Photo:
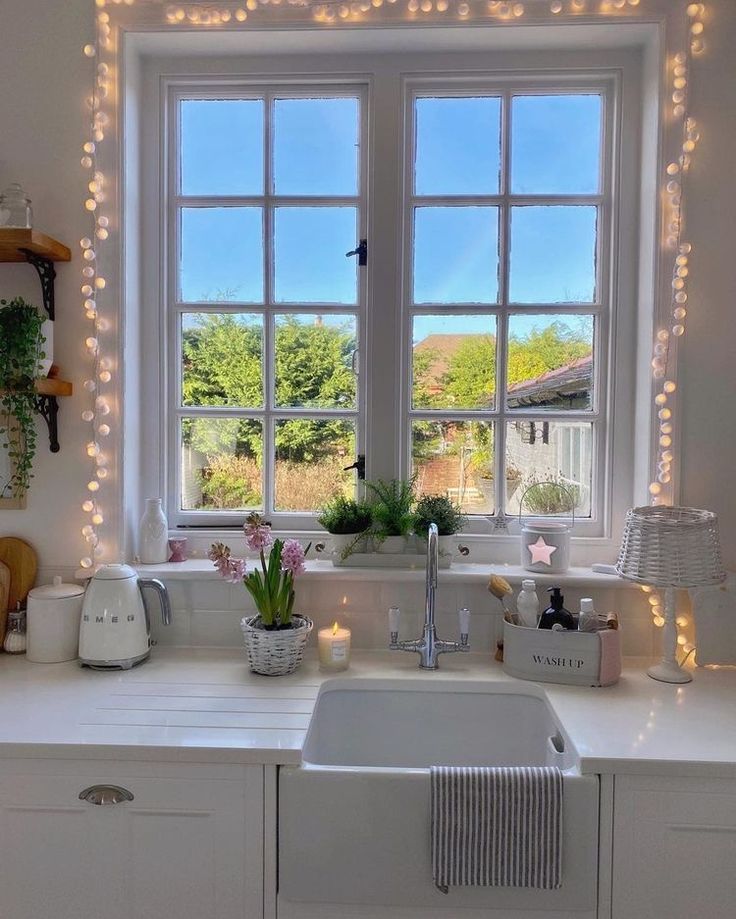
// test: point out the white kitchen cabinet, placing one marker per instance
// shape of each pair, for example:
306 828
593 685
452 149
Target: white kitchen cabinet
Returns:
188 846
674 848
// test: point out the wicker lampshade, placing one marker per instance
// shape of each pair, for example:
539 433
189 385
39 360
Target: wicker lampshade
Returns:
671 547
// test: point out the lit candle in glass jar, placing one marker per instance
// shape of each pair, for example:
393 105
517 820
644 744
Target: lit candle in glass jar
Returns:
334 648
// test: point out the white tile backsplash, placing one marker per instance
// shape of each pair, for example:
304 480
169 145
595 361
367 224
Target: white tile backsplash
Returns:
208 612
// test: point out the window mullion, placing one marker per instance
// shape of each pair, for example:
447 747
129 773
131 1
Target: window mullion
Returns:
268 319
502 325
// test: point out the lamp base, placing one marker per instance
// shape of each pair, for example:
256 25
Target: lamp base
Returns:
668 672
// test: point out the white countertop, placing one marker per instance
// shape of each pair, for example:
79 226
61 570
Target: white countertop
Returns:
202 705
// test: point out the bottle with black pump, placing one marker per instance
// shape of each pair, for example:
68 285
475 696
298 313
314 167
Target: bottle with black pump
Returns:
556 614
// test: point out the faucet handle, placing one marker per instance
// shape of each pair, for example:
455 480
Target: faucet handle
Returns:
394 615
464 617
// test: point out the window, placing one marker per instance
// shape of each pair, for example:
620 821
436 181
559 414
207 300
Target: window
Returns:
505 294
268 197
474 350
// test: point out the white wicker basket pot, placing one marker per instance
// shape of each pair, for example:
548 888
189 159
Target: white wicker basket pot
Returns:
275 652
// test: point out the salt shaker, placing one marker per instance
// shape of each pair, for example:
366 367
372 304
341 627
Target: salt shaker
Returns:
15 637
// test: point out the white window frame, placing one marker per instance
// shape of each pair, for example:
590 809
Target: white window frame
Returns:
267 89
383 393
602 309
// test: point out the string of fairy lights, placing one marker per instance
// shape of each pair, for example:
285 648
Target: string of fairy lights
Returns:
221 16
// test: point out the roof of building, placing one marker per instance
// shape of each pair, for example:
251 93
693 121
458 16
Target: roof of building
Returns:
561 384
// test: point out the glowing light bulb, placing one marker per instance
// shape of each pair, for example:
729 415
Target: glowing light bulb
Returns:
93 486
412 6
555 7
670 386
86 162
241 15
105 376
86 562
88 255
88 271
665 441
678 330
88 506
90 385
102 407
655 488
679 313
426 6
101 473
88 415
103 430
518 9
660 399
442 6
100 283
89 50
97 519
91 343
664 414
673 169
90 204
658 621
463 9
101 233
667 455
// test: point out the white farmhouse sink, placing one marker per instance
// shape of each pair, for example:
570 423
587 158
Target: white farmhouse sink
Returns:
354 817
395 725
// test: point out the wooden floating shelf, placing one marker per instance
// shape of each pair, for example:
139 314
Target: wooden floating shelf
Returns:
48 386
13 241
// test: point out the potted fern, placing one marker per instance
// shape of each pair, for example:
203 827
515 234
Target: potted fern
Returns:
392 514
441 510
346 520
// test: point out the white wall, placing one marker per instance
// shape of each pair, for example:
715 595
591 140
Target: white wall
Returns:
44 81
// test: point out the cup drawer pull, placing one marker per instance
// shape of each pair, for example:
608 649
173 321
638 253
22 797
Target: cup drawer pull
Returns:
105 794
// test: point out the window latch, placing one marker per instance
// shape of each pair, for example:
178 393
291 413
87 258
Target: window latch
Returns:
359 466
361 251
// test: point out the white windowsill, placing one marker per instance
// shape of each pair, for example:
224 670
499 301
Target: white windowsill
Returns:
198 569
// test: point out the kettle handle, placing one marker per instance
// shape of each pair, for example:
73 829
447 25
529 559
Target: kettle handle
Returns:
163 596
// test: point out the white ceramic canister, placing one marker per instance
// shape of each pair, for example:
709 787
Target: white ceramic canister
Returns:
53 622
153 547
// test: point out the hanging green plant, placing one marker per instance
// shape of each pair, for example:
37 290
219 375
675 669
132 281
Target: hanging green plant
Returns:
21 349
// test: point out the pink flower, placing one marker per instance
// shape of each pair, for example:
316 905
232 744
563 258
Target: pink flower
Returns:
292 557
232 569
257 533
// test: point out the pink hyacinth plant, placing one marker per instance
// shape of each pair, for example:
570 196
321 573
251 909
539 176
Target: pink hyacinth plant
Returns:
272 587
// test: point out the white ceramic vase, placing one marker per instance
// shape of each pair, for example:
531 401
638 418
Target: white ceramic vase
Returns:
153 547
391 545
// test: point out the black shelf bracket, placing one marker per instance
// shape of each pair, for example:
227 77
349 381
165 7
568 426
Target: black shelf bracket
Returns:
47 273
48 408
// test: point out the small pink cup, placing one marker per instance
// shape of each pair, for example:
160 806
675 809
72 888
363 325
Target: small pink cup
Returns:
178 549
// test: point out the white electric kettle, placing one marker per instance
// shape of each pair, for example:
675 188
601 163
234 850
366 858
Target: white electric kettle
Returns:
115 629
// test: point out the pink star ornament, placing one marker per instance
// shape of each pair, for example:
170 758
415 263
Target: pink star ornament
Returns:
541 552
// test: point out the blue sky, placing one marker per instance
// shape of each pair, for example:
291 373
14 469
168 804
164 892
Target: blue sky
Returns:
554 150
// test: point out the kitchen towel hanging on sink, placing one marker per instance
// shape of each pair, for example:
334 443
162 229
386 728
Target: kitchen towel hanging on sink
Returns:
496 826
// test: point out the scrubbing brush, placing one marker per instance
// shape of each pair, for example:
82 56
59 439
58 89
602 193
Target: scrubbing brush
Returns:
500 588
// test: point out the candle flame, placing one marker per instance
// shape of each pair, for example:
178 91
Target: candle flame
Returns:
334 629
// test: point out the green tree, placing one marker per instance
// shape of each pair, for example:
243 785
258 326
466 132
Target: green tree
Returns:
547 348
470 380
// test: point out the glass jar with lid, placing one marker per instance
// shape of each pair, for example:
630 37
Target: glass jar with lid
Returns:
15 208
15 637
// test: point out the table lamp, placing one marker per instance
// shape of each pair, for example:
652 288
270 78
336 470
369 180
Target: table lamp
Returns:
670 548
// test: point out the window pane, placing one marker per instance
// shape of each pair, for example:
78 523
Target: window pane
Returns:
555 457
455 254
553 254
550 362
310 246
309 463
455 458
454 362
555 144
458 146
221 256
222 359
314 358
221 464
222 147
316 146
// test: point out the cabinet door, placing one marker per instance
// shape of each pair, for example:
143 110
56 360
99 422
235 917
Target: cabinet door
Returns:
674 848
183 848
59 857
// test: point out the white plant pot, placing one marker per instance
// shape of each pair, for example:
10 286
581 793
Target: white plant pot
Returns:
545 547
391 545
338 543
447 546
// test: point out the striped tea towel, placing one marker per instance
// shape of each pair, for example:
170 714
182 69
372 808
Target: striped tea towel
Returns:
496 826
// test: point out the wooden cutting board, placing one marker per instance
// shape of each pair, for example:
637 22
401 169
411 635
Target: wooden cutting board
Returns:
4 594
22 562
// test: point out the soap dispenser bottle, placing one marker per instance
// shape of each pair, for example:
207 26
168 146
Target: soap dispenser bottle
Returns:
556 614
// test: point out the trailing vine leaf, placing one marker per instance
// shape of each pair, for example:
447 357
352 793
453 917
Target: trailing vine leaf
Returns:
21 349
